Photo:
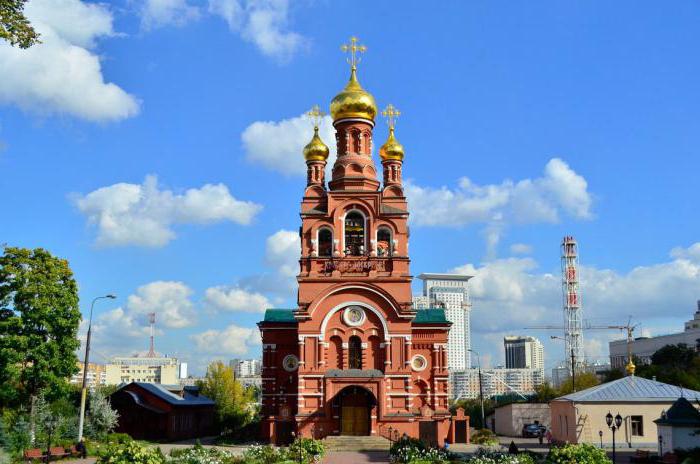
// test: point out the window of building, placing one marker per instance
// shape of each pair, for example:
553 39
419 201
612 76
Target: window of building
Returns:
355 353
354 234
637 423
384 243
325 242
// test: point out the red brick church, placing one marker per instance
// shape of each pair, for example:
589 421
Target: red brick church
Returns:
354 358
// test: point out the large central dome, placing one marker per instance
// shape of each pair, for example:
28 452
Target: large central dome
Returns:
353 102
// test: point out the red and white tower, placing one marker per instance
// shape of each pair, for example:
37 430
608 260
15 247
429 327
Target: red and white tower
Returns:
573 321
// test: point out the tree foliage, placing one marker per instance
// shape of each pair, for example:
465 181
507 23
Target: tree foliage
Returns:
583 380
14 25
675 365
101 418
39 319
233 402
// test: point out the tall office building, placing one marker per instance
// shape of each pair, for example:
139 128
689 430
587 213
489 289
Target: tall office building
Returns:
450 291
523 353
246 367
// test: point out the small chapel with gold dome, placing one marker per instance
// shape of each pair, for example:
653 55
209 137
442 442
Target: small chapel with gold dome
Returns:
354 357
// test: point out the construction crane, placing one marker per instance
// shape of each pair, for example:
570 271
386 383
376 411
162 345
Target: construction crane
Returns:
629 328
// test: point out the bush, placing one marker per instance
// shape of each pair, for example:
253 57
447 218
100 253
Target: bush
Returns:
577 454
200 455
484 437
412 450
264 454
496 457
308 449
130 453
118 438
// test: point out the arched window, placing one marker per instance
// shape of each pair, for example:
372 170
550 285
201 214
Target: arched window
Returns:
354 234
385 246
325 242
355 353
356 141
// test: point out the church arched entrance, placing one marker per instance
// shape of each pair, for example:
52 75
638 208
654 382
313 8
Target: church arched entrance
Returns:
355 404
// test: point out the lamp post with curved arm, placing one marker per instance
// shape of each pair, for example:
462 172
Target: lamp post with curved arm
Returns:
614 424
481 389
83 392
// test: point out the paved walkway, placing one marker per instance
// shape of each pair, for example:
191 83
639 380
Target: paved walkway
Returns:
356 457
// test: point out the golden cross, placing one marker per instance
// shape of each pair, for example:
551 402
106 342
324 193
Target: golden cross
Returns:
391 114
353 48
315 115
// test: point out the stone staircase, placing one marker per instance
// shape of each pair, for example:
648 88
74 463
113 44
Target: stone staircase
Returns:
354 443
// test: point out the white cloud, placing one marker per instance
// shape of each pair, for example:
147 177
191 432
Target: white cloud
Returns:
263 23
62 75
282 252
133 214
529 201
509 295
236 299
278 145
521 249
233 340
157 13
169 300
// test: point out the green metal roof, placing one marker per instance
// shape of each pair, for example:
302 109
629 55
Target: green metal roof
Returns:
279 315
430 316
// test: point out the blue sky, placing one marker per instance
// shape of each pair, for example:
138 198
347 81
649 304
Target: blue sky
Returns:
156 145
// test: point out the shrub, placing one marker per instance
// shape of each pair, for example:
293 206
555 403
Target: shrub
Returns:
308 449
484 456
263 454
484 437
577 454
200 455
120 438
412 450
130 453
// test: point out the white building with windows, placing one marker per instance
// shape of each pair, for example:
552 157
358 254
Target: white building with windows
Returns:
497 381
157 369
246 367
451 292
523 352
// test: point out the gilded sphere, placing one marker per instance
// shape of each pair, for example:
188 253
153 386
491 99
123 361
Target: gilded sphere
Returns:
392 149
316 150
353 102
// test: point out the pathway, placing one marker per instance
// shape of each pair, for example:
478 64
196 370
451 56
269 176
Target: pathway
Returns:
356 457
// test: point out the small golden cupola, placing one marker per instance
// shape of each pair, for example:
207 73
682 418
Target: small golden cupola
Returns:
316 150
353 101
392 149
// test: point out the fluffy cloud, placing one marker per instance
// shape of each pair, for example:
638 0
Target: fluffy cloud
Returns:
143 214
63 75
510 294
542 200
157 13
282 252
263 23
278 145
236 299
169 300
233 340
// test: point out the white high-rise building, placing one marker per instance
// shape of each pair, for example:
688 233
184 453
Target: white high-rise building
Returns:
523 353
450 291
246 367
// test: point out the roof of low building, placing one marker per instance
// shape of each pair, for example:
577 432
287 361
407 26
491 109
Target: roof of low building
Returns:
630 389
681 413
279 315
187 399
433 276
430 316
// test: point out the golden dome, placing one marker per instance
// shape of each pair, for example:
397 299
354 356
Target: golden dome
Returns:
392 149
316 150
353 101
630 368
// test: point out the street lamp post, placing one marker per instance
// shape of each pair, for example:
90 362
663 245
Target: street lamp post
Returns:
614 424
600 434
83 392
481 389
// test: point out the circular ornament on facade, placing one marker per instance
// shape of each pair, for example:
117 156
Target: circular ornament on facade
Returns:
354 316
419 363
290 363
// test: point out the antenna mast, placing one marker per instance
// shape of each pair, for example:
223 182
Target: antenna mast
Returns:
152 321
573 326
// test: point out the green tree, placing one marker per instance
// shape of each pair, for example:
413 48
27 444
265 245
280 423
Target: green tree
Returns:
233 402
39 319
675 365
101 419
545 393
583 380
14 26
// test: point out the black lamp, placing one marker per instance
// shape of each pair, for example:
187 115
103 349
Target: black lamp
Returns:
609 419
618 420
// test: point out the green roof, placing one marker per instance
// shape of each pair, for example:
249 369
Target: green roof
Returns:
279 315
430 316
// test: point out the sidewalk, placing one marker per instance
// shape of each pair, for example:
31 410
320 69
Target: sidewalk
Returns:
356 457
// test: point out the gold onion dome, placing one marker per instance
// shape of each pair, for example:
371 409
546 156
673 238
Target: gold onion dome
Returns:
353 101
316 150
392 149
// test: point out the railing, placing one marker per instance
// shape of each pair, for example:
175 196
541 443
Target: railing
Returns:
389 433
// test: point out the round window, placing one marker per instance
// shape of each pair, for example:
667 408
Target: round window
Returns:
354 315
419 363
290 363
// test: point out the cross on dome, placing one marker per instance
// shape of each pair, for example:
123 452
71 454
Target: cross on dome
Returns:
391 113
315 115
353 48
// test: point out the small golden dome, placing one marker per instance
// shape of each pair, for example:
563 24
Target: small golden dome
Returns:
316 150
353 101
392 149
630 368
